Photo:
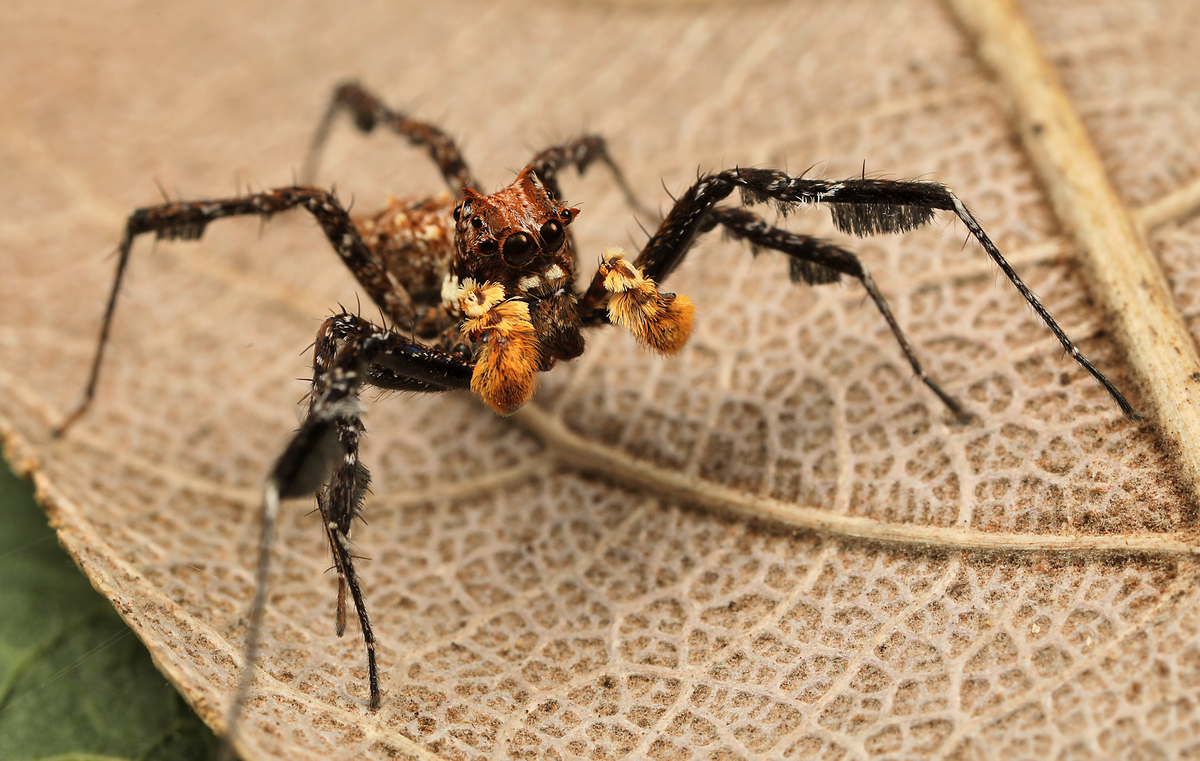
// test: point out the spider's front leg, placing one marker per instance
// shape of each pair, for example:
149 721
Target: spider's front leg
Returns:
322 456
859 206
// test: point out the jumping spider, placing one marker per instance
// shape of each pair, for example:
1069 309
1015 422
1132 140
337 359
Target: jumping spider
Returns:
488 282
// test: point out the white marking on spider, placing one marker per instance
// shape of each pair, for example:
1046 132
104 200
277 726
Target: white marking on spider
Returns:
450 288
348 407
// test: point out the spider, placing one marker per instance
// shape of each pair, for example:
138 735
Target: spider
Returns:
488 283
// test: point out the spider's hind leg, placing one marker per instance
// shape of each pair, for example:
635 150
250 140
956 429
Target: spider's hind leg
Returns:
369 111
581 152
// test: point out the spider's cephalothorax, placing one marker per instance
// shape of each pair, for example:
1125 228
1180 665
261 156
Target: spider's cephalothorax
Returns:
486 286
516 237
512 283
513 280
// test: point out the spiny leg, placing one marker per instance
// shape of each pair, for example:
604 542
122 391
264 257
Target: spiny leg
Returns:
322 458
187 220
817 262
581 152
859 206
340 500
368 111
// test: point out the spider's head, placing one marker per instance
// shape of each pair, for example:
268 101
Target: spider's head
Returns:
516 237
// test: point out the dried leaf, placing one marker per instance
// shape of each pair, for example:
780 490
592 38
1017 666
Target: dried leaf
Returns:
590 578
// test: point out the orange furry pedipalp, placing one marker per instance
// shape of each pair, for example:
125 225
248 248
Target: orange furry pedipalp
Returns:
508 362
659 321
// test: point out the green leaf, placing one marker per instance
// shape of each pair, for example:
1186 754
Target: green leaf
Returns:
75 683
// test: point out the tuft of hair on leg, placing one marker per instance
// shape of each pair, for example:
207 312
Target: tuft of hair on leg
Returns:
659 320
506 368
865 220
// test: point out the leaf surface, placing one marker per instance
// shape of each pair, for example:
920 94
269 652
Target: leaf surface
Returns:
74 681
592 577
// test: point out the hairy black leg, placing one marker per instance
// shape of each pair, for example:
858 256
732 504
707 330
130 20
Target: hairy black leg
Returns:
322 458
368 111
859 206
582 152
817 262
187 220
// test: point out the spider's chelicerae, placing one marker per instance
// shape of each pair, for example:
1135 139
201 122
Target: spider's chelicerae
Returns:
488 284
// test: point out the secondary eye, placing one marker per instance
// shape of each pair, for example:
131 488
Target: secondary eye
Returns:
487 246
552 235
518 249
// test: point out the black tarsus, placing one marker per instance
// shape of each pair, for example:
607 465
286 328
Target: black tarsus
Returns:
581 152
817 262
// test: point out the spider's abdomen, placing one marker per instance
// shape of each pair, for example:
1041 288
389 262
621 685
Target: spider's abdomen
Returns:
415 239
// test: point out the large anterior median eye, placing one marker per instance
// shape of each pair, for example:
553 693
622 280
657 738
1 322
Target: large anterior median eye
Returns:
552 235
518 249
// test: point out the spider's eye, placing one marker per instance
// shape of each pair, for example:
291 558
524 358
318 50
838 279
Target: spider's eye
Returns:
566 216
487 246
457 212
518 249
552 235
476 222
